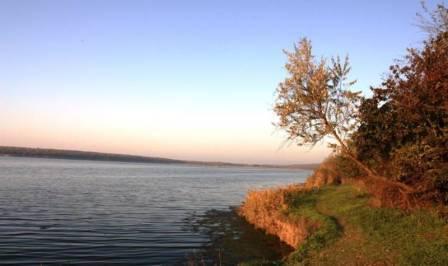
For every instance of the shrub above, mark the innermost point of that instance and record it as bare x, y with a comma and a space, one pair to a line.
425, 167
346, 168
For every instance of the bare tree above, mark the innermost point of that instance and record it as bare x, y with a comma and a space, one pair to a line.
433, 21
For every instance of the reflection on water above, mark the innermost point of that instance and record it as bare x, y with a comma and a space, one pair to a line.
63, 211
232, 240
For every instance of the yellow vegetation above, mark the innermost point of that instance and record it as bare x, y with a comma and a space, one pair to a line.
267, 210
325, 174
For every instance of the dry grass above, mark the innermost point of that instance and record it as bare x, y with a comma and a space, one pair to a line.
268, 209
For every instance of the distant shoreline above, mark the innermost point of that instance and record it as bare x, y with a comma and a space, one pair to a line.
113, 157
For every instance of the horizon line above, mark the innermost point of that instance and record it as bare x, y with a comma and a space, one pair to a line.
74, 154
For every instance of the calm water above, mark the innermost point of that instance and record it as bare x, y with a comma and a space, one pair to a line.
68, 211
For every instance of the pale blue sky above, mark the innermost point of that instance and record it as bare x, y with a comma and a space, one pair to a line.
184, 79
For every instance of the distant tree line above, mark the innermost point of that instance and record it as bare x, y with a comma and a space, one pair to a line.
80, 155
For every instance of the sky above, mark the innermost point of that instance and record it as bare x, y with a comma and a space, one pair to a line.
182, 79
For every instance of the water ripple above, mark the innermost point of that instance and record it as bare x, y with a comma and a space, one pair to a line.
63, 212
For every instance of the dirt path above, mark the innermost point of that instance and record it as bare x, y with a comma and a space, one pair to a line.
351, 248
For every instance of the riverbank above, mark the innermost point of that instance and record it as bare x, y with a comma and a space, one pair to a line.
337, 225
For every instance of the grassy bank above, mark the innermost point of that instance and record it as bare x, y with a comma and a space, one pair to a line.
340, 227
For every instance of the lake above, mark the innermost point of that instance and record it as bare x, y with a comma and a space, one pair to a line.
73, 211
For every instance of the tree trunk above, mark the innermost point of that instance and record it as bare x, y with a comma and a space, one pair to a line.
370, 173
